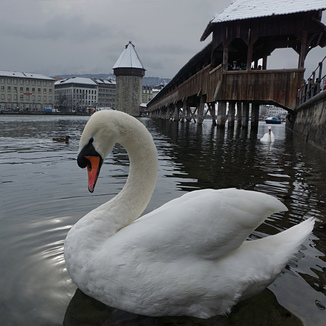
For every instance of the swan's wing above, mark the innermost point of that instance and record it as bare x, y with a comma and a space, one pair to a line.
208, 223
264, 139
272, 137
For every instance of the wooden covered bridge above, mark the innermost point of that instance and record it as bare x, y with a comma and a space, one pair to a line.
226, 71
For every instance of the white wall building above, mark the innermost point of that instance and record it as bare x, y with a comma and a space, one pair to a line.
76, 93
106, 89
272, 111
21, 91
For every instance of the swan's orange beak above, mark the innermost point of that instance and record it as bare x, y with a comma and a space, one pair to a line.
93, 170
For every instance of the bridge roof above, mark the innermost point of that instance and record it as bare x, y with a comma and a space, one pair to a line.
244, 9
128, 58
250, 9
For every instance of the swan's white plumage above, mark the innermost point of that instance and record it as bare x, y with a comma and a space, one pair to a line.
188, 257
269, 137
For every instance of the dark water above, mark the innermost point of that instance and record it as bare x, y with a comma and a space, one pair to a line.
43, 193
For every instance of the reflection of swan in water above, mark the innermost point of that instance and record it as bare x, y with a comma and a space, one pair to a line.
268, 137
188, 257
62, 139
83, 310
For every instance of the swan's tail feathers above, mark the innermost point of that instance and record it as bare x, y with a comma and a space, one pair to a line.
274, 253
288, 242
300, 232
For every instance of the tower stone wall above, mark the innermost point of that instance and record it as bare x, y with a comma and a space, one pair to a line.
129, 73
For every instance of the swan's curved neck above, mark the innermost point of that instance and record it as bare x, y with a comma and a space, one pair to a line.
137, 192
128, 205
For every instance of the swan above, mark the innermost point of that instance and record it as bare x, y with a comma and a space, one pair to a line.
188, 257
268, 137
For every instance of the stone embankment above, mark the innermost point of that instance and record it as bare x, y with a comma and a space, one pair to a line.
309, 120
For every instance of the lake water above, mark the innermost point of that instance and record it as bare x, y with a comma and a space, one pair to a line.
43, 193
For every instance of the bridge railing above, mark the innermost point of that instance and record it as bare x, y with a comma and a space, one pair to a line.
315, 84
214, 84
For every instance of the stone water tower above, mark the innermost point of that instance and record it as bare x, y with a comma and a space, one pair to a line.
129, 73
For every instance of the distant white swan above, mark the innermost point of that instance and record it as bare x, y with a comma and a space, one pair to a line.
188, 257
268, 137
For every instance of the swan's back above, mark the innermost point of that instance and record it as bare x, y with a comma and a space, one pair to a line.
183, 269
207, 223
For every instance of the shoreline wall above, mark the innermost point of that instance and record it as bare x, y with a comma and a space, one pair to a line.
309, 121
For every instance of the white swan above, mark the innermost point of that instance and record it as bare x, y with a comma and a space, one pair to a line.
268, 137
188, 257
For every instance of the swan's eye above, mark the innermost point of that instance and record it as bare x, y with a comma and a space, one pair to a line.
88, 150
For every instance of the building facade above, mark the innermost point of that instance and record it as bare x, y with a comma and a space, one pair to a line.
129, 73
76, 93
147, 94
20, 91
106, 93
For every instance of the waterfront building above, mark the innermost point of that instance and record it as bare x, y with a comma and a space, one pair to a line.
21, 91
129, 72
106, 89
147, 94
76, 93
268, 110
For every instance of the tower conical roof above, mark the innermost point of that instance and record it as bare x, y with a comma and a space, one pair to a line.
129, 58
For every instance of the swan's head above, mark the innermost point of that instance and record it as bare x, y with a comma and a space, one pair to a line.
96, 142
269, 129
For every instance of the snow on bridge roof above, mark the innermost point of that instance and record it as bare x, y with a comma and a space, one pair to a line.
246, 9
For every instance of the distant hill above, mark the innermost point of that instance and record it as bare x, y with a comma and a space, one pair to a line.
147, 81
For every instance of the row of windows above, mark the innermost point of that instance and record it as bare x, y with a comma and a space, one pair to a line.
26, 82
27, 90
110, 91
84, 91
88, 98
26, 98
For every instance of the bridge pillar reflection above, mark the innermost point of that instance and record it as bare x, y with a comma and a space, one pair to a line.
245, 114
231, 114
211, 108
254, 115
201, 106
239, 114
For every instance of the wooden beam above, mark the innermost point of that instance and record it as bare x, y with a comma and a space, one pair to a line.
303, 49
225, 56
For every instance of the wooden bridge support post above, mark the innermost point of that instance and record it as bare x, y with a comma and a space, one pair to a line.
254, 115
187, 110
183, 113
176, 112
170, 112
231, 114
163, 112
245, 116
200, 111
221, 114
211, 108
239, 114
167, 112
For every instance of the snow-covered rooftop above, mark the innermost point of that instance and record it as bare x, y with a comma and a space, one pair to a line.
129, 58
75, 80
23, 75
105, 81
245, 9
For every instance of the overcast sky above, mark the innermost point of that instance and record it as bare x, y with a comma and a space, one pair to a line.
53, 37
